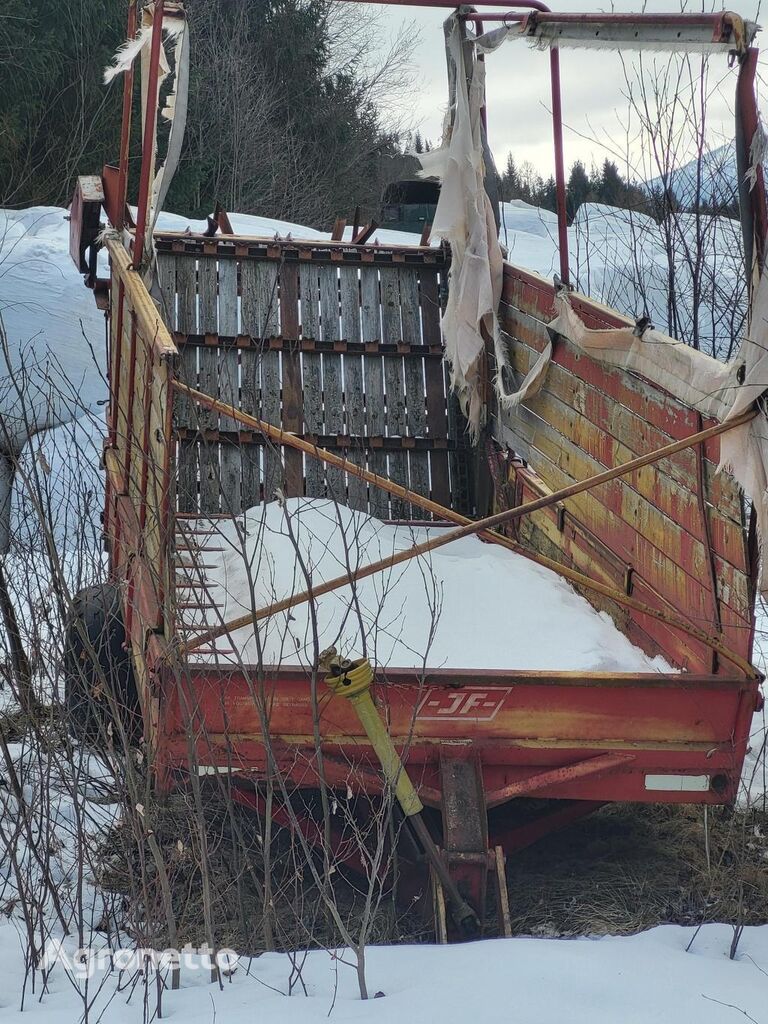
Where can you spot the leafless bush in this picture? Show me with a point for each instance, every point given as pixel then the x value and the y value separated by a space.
pixel 92 853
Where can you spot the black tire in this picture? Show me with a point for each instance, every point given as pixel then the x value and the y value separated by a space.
pixel 100 696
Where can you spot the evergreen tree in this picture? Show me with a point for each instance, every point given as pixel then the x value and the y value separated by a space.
pixel 56 118
pixel 612 188
pixel 577 189
pixel 548 198
pixel 510 181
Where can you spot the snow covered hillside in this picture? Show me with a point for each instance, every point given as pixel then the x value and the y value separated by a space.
pixel 715 181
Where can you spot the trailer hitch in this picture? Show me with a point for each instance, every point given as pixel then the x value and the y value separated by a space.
pixel 352 680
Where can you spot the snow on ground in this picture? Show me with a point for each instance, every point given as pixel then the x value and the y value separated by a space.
pixel 630 980
pixel 467 605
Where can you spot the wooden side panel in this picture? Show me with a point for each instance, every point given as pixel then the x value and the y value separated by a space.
pixel 140 448
pixel 345 353
pixel 652 531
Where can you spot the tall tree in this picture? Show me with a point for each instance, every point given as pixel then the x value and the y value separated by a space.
pixel 612 189
pixel 56 118
pixel 578 188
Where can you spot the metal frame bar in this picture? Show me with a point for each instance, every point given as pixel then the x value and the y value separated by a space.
pixel 150 119
pixel 125 131
pixel 592 766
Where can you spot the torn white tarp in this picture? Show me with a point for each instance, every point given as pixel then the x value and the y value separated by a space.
pixel 465 219
pixel 744 450
pixel 697 379
pixel 577 33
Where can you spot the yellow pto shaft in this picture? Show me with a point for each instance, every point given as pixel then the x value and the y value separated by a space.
pixel 352 680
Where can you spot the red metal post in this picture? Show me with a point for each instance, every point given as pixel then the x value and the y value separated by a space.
pixel 149 135
pixel 557 129
pixel 557 122
pixel 746 113
pixel 125 133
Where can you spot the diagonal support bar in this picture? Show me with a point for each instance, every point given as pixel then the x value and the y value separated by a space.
pixel 592 766
pixel 467 527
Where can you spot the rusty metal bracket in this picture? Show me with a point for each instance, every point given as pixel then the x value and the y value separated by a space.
pixel 465 825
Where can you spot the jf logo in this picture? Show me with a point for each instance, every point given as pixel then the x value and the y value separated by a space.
pixel 471 703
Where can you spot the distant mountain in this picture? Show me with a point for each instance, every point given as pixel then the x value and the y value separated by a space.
pixel 719 179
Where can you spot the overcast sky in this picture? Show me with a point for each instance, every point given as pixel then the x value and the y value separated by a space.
pixel 518 89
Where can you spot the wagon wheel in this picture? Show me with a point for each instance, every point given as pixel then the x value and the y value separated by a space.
pixel 100 695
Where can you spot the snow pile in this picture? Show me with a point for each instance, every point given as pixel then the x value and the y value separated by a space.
pixel 469 604
pixel 267 227
pixel 56 335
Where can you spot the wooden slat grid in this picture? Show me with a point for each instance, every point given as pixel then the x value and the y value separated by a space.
pixel 344 353
pixel 646 530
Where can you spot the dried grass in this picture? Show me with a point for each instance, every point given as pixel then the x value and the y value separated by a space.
pixel 633 866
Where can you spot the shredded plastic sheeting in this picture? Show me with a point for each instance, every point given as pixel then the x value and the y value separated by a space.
pixel 468 605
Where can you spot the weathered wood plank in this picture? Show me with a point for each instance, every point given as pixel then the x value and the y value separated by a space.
pixel 186 413
pixel 312 382
pixel 394 382
pixel 291 375
pixel 186 287
pixel 207 420
pixel 229 386
pixel 333 396
pixel 415 395
pixel 123 438
pixel 373 378
pixel 250 402
pixel 207 274
pixel 269 327
pixel 250 377
pixel 353 380
pixel 249 298
pixel 434 381
pixel 228 328
pixel 309 291
pixel 166 278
